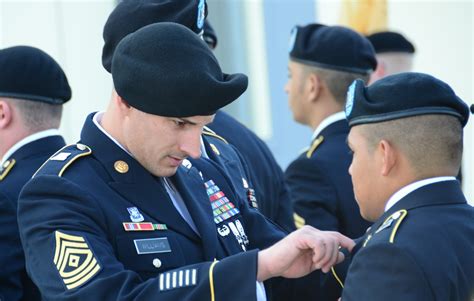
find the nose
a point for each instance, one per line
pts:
(287, 87)
(350, 169)
(190, 144)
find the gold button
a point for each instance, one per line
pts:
(121, 166)
(157, 263)
(81, 146)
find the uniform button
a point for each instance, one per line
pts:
(157, 263)
(81, 146)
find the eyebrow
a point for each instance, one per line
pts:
(187, 121)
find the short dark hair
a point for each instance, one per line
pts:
(430, 142)
(337, 81)
(38, 116)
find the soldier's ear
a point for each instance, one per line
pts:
(6, 112)
(313, 86)
(388, 157)
(379, 72)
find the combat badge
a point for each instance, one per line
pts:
(135, 215)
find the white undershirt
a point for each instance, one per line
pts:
(397, 196)
(29, 139)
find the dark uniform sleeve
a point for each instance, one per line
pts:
(70, 257)
(385, 272)
(313, 194)
(11, 259)
(285, 207)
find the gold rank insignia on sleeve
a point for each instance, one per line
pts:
(74, 260)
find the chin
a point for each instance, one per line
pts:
(164, 172)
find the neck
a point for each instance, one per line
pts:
(318, 113)
(11, 138)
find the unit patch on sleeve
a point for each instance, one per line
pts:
(74, 260)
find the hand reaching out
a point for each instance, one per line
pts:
(302, 252)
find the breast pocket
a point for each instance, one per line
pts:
(149, 253)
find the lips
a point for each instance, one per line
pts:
(175, 161)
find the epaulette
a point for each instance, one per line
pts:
(208, 132)
(6, 168)
(63, 158)
(397, 218)
(314, 146)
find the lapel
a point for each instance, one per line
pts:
(212, 171)
(221, 159)
(440, 193)
(446, 192)
(136, 185)
(192, 190)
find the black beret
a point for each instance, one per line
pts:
(402, 95)
(389, 41)
(332, 47)
(209, 35)
(30, 73)
(175, 75)
(130, 15)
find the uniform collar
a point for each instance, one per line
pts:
(327, 122)
(203, 149)
(400, 194)
(28, 139)
(97, 118)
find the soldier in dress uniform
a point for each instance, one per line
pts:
(324, 60)
(407, 138)
(264, 185)
(33, 88)
(131, 212)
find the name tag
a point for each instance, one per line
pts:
(152, 245)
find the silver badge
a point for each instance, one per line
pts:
(237, 235)
(135, 215)
(223, 230)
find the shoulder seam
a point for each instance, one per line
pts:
(87, 152)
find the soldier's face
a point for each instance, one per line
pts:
(159, 143)
(363, 171)
(295, 89)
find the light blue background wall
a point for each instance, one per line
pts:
(279, 17)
